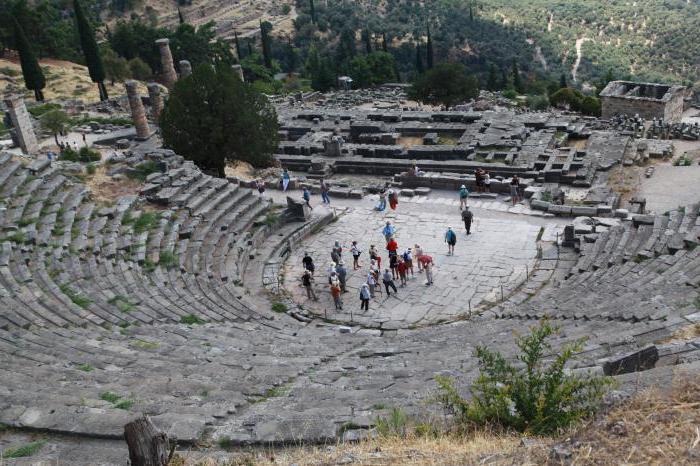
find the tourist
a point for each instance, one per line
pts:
(332, 272)
(364, 297)
(427, 263)
(408, 260)
(388, 282)
(306, 194)
(342, 275)
(285, 180)
(401, 269)
(393, 199)
(336, 252)
(374, 255)
(307, 280)
(388, 231)
(371, 283)
(479, 178)
(381, 205)
(260, 184)
(374, 269)
(515, 189)
(463, 196)
(419, 253)
(393, 265)
(324, 192)
(355, 250)
(335, 293)
(487, 182)
(451, 240)
(467, 217)
(308, 263)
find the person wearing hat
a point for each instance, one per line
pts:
(451, 240)
(307, 280)
(408, 260)
(388, 231)
(364, 297)
(463, 196)
(342, 275)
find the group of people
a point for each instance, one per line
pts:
(400, 265)
(384, 195)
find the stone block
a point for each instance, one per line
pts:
(536, 204)
(621, 213)
(563, 210)
(634, 362)
(642, 219)
(422, 191)
(604, 209)
(355, 194)
(407, 193)
(584, 211)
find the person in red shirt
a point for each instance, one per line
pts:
(392, 246)
(402, 268)
(427, 263)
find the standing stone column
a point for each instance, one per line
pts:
(138, 114)
(185, 68)
(166, 62)
(238, 69)
(22, 122)
(156, 100)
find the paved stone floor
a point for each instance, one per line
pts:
(501, 250)
(671, 187)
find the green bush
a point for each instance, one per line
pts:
(191, 319)
(39, 110)
(393, 425)
(146, 221)
(142, 170)
(280, 308)
(168, 260)
(84, 154)
(537, 102)
(28, 449)
(533, 395)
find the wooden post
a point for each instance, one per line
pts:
(148, 446)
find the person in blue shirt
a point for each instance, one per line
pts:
(285, 180)
(307, 197)
(388, 231)
(463, 196)
(451, 240)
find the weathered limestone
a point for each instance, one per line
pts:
(156, 100)
(238, 69)
(166, 60)
(185, 68)
(648, 100)
(22, 123)
(138, 113)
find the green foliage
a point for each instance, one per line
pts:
(116, 67)
(683, 161)
(122, 303)
(139, 69)
(535, 395)
(86, 367)
(110, 397)
(537, 102)
(77, 298)
(124, 404)
(28, 449)
(280, 308)
(142, 170)
(117, 121)
(375, 68)
(211, 117)
(93, 60)
(39, 110)
(446, 84)
(84, 154)
(147, 221)
(575, 100)
(191, 319)
(168, 260)
(393, 425)
(55, 120)
(34, 79)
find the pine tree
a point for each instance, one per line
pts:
(385, 46)
(562, 81)
(265, 28)
(33, 75)
(471, 11)
(238, 45)
(179, 15)
(313, 11)
(492, 82)
(517, 82)
(419, 59)
(367, 38)
(90, 50)
(430, 50)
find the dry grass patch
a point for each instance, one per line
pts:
(106, 189)
(689, 332)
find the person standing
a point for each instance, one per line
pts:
(427, 263)
(381, 205)
(463, 196)
(285, 180)
(371, 283)
(467, 217)
(308, 263)
(342, 275)
(487, 182)
(374, 255)
(388, 231)
(451, 240)
(260, 184)
(307, 281)
(388, 282)
(402, 269)
(355, 250)
(408, 260)
(324, 192)
(393, 199)
(335, 293)
(479, 178)
(394, 265)
(515, 189)
(364, 297)
(306, 194)
(392, 246)
(419, 253)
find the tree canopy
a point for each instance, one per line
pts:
(446, 84)
(212, 116)
(34, 78)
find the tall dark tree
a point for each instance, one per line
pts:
(34, 78)
(265, 29)
(313, 12)
(517, 80)
(250, 46)
(430, 55)
(367, 39)
(492, 82)
(180, 16)
(238, 45)
(90, 50)
(419, 58)
(562, 81)
(446, 84)
(213, 117)
(346, 49)
(385, 46)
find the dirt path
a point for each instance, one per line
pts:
(579, 56)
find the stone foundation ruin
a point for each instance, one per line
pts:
(648, 100)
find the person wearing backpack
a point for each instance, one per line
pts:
(467, 217)
(451, 240)
(364, 297)
(463, 196)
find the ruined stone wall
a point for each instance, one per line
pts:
(670, 111)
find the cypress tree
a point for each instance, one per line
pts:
(179, 15)
(265, 28)
(90, 50)
(517, 82)
(33, 75)
(367, 37)
(430, 50)
(238, 45)
(385, 47)
(250, 47)
(492, 83)
(562, 81)
(419, 59)
(313, 11)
